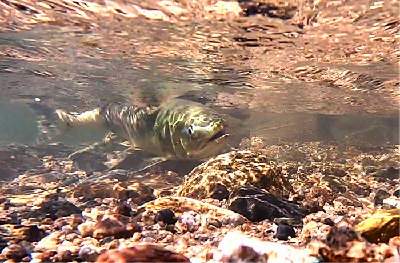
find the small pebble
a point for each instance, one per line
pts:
(114, 244)
(86, 229)
(88, 253)
(170, 228)
(26, 259)
(213, 222)
(284, 232)
(14, 252)
(66, 229)
(123, 210)
(136, 236)
(166, 216)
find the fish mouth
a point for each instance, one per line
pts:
(214, 145)
(219, 135)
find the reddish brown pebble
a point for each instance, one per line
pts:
(118, 229)
(142, 253)
(14, 252)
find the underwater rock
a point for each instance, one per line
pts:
(380, 195)
(117, 229)
(213, 222)
(258, 205)
(284, 232)
(388, 173)
(166, 216)
(236, 247)
(314, 231)
(220, 192)
(88, 253)
(396, 193)
(63, 256)
(124, 210)
(381, 226)
(14, 252)
(3, 243)
(142, 253)
(139, 193)
(44, 207)
(147, 212)
(89, 162)
(29, 233)
(55, 209)
(234, 170)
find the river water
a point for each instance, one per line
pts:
(254, 69)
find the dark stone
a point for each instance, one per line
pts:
(51, 197)
(30, 233)
(3, 243)
(55, 209)
(269, 9)
(339, 236)
(335, 183)
(291, 170)
(378, 200)
(390, 172)
(382, 193)
(313, 205)
(328, 221)
(296, 197)
(370, 170)
(5, 206)
(286, 221)
(166, 216)
(170, 228)
(10, 218)
(258, 205)
(379, 196)
(106, 240)
(89, 162)
(361, 188)
(124, 210)
(359, 191)
(3, 199)
(397, 193)
(220, 192)
(284, 232)
(213, 222)
(335, 171)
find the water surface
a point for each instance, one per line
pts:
(145, 62)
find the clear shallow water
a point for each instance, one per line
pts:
(19, 124)
(148, 62)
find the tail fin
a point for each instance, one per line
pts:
(60, 120)
(44, 110)
(48, 121)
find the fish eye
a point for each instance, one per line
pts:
(190, 130)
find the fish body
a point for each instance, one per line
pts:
(178, 129)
